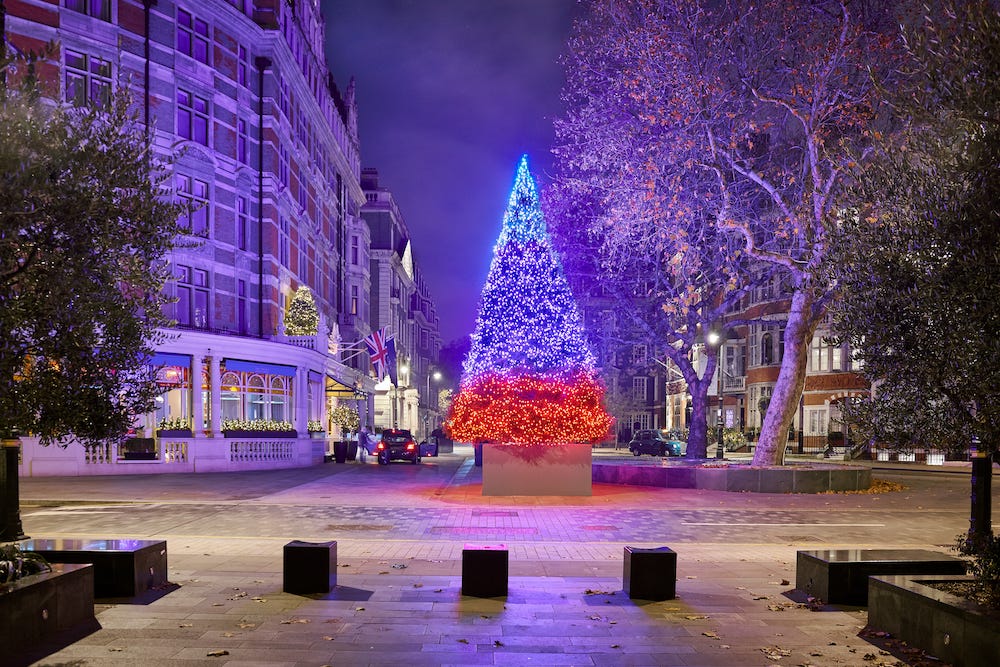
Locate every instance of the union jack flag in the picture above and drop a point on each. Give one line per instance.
(382, 350)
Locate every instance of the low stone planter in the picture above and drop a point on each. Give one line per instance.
(260, 434)
(953, 629)
(686, 474)
(41, 607)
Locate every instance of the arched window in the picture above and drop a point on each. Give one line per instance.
(231, 391)
(278, 398)
(256, 407)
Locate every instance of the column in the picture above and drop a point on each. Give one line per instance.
(215, 396)
(197, 407)
(300, 413)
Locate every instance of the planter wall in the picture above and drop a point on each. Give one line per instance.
(41, 607)
(950, 628)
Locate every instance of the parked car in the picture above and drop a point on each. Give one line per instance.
(397, 444)
(653, 442)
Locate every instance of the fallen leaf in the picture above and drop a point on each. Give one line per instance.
(615, 646)
(295, 620)
(438, 590)
(359, 609)
(217, 604)
(497, 643)
(116, 650)
(784, 582)
(228, 634)
(246, 626)
(775, 607)
(185, 625)
(327, 638)
(216, 654)
(762, 597)
(398, 566)
(418, 585)
(463, 641)
(710, 635)
(695, 617)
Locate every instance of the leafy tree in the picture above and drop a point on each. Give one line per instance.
(919, 265)
(708, 143)
(84, 228)
(302, 318)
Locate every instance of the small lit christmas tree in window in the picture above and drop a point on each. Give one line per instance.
(529, 378)
(302, 318)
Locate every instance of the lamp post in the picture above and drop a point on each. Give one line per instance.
(718, 340)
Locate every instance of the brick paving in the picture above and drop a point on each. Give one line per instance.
(400, 531)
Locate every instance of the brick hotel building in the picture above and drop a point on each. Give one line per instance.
(270, 160)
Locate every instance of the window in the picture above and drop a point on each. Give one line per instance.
(816, 424)
(752, 345)
(88, 79)
(639, 355)
(766, 349)
(192, 297)
(283, 164)
(242, 141)
(639, 389)
(192, 117)
(99, 9)
(303, 192)
(192, 36)
(639, 420)
(241, 308)
(303, 261)
(242, 222)
(284, 249)
(354, 299)
(355, 247)
(194, 195)
(242, 65)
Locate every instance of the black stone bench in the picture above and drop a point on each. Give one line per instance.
(484, 570)
(840, 576)
(309, 567)
(650, 574)
(40, 607)
(122, 568)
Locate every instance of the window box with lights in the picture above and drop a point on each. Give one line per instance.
(174, 433)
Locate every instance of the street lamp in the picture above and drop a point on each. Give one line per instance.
(716, 339)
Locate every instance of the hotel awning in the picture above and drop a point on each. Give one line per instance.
(240, 365)
(338, 388)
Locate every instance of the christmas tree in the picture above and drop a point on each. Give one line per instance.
(529, 378)
(302, 318)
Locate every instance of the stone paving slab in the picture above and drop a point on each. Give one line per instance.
(736, 559)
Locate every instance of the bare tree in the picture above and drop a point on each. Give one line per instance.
(712, 141)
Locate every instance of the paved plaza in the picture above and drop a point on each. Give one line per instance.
(400, 531)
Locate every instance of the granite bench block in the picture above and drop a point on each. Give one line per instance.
(309, 567)
(485, 570)
(840, 576)
(122, 568)
(650, 574)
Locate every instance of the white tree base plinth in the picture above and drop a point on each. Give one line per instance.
(539, 470)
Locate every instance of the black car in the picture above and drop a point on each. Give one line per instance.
(653, 442)
(397, 444)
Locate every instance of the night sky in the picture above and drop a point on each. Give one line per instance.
(450, 94)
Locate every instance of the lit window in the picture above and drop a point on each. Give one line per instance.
(192, 36)
(99, 9)
(192, 297)
(88, 79)
(192, 117)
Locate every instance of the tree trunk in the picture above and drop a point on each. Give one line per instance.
(697, 443)
(799, 330)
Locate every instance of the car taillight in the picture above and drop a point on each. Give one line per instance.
(381, 445)
(411, 445)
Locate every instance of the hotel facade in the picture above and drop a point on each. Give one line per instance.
(267, 155)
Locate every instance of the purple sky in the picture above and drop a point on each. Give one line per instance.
(450, 94)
